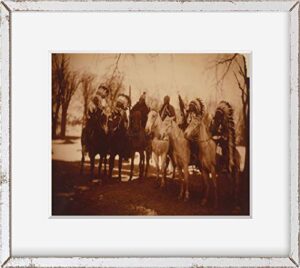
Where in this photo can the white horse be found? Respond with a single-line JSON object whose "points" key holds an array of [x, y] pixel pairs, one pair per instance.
{"points": [[181, 153], [160, 146], [197, 131]]}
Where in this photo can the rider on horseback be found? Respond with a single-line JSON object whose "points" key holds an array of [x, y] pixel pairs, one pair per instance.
{"points": [[99, 102], [220, 136], [195, 108], [123, 103], [97, 106], [167, 109], [143, 108]]}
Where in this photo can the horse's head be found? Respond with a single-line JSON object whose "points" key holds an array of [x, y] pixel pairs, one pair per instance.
{"points": [[151, 121], [166, 126], [192, 130], [117, 123], [101, 121]]}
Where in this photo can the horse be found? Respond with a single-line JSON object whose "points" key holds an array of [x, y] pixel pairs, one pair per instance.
{"points": [[94, 140], [118, 141], [139, 142], [160, 147], [197, 131], [223, 128], [180, 151]]}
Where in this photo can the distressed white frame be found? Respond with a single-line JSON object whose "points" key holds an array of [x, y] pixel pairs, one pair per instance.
{"points": [[8, 7]]}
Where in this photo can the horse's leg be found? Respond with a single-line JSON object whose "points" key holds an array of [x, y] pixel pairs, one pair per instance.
{"points": [[100, 166], [92, 161], [155, 156], [163, 166], [120, 167], [82, 162], [148, 155], [111, 165], [105, 164], [131, 166], [142, 164], [173, 165], [215, 183], [205, 175], [181, 183], [186, 182], [237, 189], [167, 165]]}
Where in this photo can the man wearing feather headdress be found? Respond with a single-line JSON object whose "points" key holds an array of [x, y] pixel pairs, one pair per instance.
{"points": [[99, 101]]}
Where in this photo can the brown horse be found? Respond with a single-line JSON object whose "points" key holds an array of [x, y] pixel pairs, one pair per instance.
{"points": [[139, 142], [197, 131], [94, 140], [180, 151], [118, 141]]}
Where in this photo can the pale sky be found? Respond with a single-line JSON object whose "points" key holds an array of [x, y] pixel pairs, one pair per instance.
{"points": [[190, 75]]}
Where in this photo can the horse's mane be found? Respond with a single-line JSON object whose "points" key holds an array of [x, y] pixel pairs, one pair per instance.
{"points": [[226, 109]]}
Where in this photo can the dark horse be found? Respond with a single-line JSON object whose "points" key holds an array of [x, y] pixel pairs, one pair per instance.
{"points": [[139, 142], [94, 140], [118, 141]]}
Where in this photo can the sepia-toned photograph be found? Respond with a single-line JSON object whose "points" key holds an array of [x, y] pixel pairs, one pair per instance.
{"points": [[144, 134]]}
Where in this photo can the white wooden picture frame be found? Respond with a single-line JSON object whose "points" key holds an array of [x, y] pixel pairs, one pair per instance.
{"points": [[10, 7]]}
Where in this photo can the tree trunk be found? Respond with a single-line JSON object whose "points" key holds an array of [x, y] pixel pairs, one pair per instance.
{"points": [[63, 126], [55, 119]]}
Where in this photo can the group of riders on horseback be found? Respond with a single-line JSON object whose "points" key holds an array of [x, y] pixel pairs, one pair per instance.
{"points": [[205, 142]]}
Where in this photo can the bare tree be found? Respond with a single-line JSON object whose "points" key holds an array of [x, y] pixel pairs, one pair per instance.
{"points": [[236, 64], [73, 82], [88, 91], [114, 82], [60, 70]]}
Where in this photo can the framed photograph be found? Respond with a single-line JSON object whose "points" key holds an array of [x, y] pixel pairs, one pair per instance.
{"points": [[149, 134]]}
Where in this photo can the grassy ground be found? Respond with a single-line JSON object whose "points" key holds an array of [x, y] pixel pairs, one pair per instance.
{"points": [[75, 194]]}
